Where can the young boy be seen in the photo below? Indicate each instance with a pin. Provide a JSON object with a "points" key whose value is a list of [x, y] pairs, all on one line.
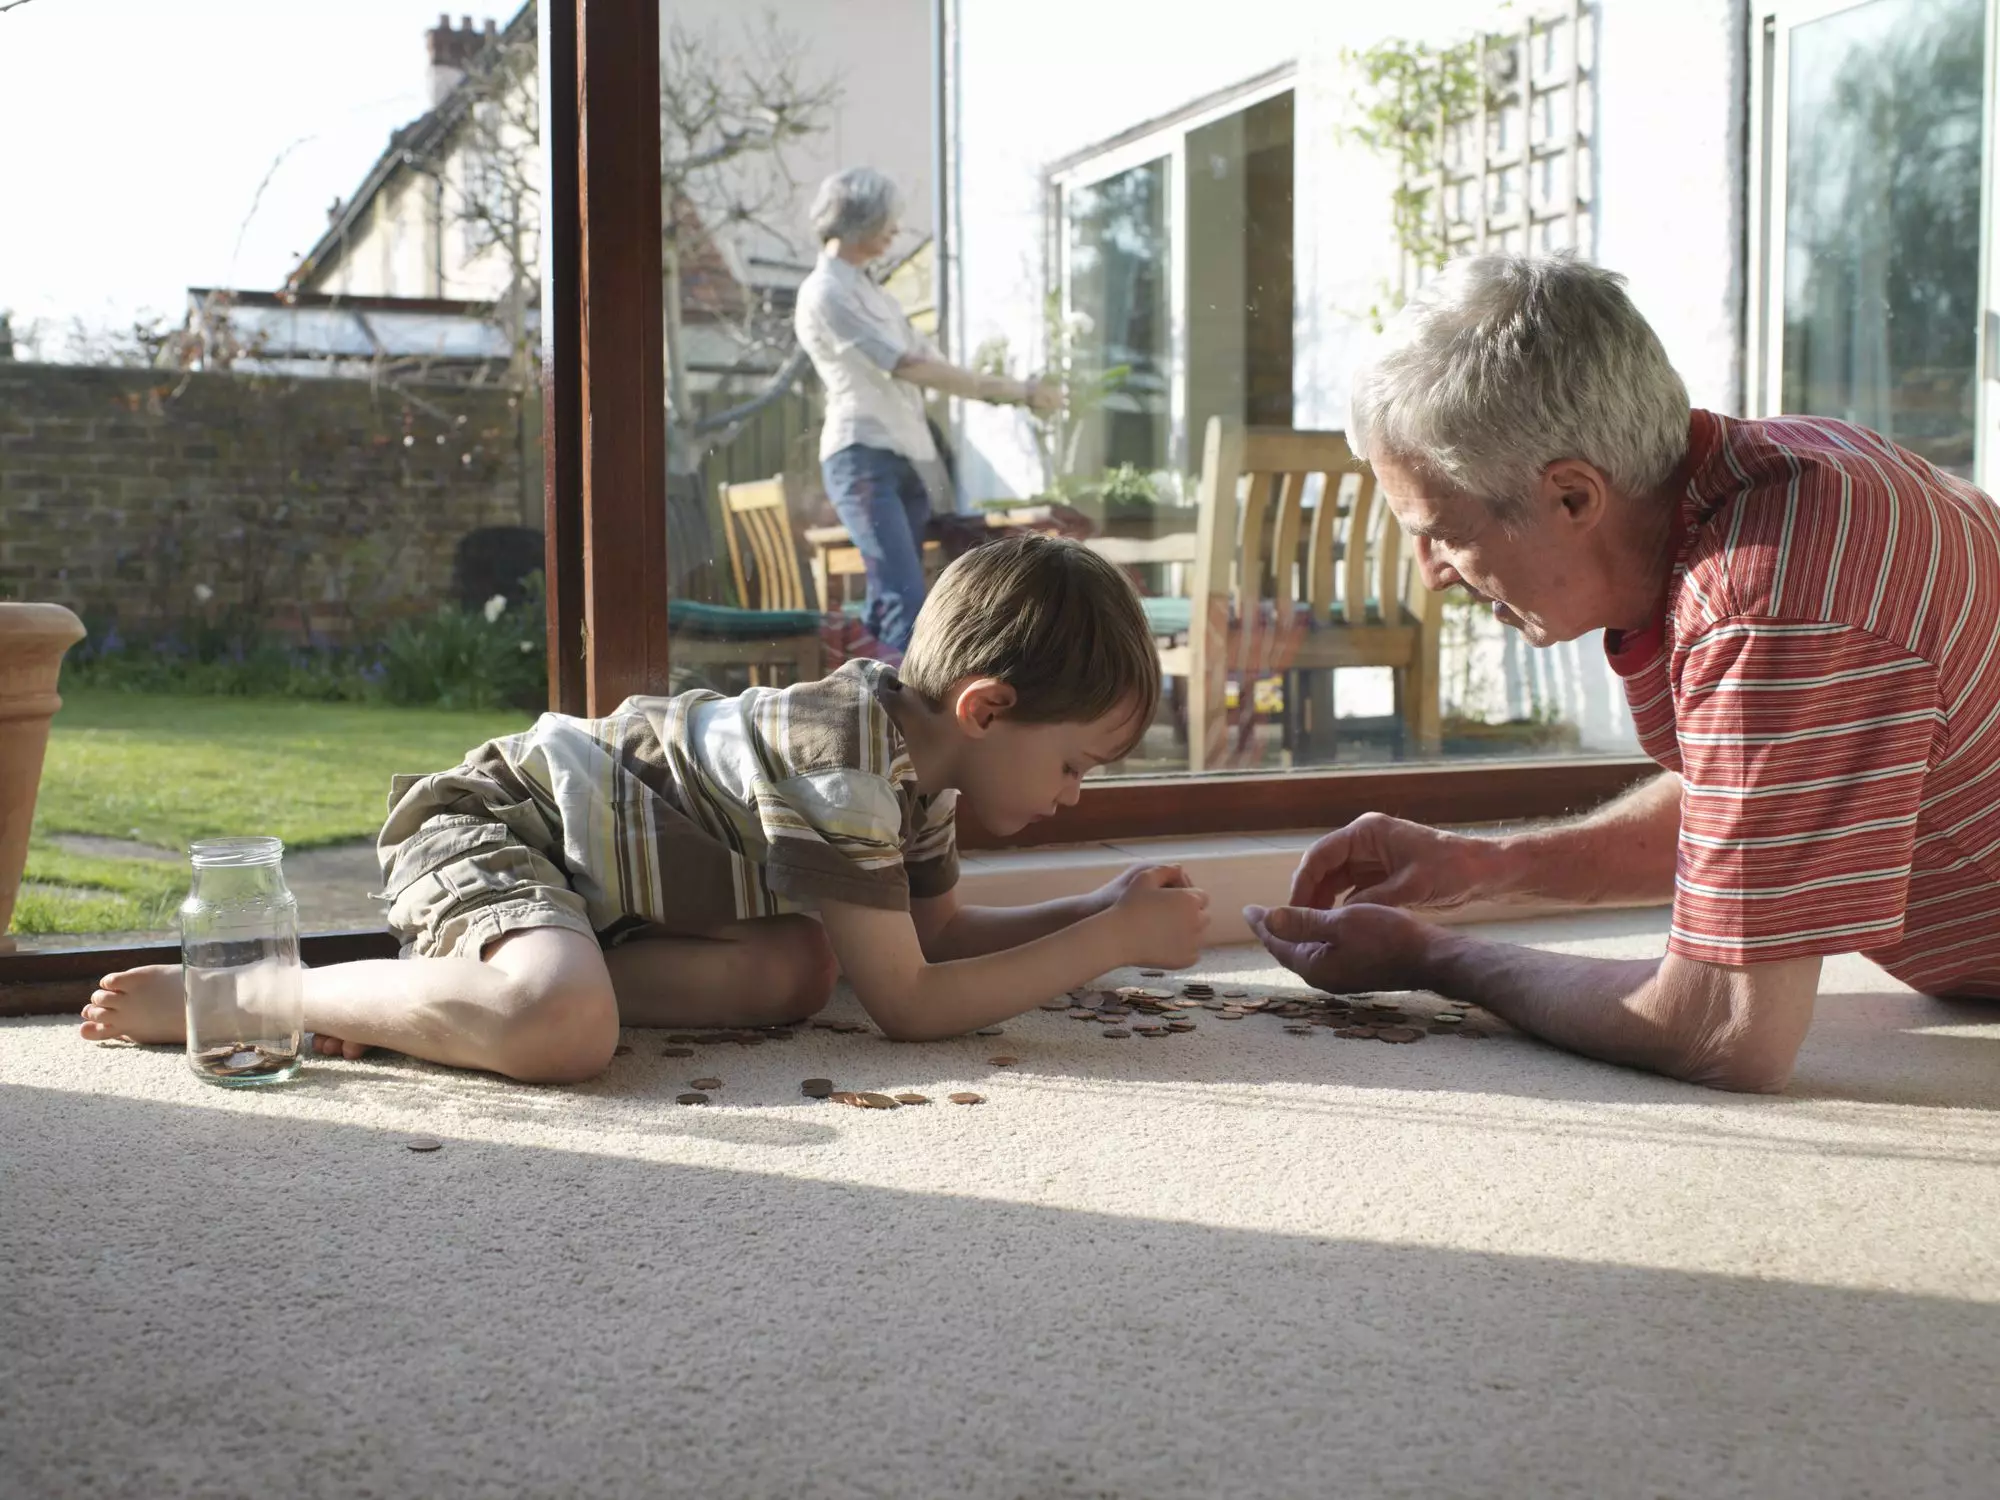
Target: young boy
{"points": [[654, 868]]}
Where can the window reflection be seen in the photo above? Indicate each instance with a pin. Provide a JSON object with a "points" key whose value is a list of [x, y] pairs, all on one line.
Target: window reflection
{"points": [[1882, 222]]}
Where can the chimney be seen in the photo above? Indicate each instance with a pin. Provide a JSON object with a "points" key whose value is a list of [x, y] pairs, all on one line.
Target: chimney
{"points": [[453, 51]]}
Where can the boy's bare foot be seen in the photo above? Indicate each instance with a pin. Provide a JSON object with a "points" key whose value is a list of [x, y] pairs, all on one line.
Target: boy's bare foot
{"points": [[143, 1005], [149, 1005], [333, 1046]]}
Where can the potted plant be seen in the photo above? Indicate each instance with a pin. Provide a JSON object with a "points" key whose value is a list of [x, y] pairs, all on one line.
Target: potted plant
{"points": [[33, 638]]}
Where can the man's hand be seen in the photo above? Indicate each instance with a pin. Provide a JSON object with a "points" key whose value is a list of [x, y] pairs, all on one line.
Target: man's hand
{"points": [[1161, 918], [1341, 952], [1383, 861]]}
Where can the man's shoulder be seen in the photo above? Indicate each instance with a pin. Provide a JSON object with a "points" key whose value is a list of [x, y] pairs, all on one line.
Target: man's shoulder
{"points": [[1810, 519]]}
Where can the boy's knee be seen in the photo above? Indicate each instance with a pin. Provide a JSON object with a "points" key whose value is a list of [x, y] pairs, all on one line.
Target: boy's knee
{"points": [[801, 969], [560, 1032]]}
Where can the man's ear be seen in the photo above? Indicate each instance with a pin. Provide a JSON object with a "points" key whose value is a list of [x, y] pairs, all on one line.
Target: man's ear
{"points": [[1583, 493], [980, 703]]}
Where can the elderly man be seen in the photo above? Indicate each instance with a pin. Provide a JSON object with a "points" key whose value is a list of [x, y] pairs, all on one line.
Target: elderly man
{"points": [[1807, 621]]}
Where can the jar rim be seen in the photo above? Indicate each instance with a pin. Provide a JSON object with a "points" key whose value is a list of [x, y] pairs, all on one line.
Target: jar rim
{"points": [[237, 851]]}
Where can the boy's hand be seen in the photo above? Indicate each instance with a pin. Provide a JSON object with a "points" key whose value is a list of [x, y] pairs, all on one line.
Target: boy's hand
{"points": [[1113, 891], [1163, 917]]}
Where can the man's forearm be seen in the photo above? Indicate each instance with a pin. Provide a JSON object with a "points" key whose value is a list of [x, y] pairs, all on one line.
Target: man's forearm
{"points": [[1579, 1003], [1623, 852], [1729, 1028], [974, 930]]}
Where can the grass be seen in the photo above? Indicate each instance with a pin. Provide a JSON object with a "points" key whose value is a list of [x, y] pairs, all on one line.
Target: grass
{"points": [[166, 770]]}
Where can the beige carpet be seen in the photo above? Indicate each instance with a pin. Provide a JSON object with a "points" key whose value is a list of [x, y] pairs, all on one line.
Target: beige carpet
{"points": [[1231, 1263]]}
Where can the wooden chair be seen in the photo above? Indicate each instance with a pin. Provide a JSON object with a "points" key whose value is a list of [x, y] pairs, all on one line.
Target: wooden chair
{"points": [[777, 627], [835, 558], [1280, 586]]}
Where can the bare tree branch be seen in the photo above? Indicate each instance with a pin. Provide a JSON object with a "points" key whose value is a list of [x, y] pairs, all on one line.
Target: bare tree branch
{"points": [[732, 420]]}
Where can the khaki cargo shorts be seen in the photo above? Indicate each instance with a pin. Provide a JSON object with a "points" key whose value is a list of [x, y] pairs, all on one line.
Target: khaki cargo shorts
{"points": [[463, 865]]}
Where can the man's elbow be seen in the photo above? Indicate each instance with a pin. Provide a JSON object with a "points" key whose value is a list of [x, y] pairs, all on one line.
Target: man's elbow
{"points": [[1740, 1064]]}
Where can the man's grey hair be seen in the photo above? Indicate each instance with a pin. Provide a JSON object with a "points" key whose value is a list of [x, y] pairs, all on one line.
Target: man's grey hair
{"points": [[854, 204], [1505, 364]]}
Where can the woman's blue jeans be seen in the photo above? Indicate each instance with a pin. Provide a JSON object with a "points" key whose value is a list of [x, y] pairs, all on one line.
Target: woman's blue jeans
{"points": [[881, 500]]}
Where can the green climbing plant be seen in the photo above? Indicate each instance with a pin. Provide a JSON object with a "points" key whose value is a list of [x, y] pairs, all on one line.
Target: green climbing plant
{"points": [[1407, 95]]}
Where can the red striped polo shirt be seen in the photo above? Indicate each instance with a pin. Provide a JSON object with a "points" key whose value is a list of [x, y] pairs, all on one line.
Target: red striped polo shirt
{"points": [[1825, 677]]}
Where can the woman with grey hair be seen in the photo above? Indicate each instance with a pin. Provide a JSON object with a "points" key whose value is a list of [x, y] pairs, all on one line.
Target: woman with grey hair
{"points": [[876, 452]]}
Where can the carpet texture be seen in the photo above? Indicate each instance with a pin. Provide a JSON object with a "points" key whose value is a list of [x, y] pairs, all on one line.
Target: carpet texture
{"points": [[1235, 1262]]}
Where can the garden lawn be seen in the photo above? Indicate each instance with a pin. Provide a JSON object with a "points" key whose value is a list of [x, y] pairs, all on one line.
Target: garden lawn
{"points": [[166, 770]]}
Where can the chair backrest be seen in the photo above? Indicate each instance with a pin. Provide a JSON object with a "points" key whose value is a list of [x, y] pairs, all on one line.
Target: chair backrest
{"points": [[1254, 518], [758, 521]]}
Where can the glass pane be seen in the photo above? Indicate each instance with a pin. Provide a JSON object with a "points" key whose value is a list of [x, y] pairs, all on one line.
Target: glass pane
{"points": [[1114, 349], [270, 425], [1199, 241], [1882, 221]]}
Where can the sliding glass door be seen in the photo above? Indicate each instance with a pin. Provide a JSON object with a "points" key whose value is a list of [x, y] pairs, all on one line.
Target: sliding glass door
{"points": [[1868, 277]]}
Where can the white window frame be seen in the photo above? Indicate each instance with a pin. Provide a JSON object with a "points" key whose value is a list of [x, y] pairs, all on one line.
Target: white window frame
{"points": [[1771, 25], [1165, 139]]}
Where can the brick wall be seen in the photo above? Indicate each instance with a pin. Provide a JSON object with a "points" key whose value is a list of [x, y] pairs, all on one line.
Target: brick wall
{"points": [[324, 506]]}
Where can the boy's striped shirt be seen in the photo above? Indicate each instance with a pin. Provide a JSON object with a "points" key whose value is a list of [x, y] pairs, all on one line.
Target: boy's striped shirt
{"points": [[1825, 677]]}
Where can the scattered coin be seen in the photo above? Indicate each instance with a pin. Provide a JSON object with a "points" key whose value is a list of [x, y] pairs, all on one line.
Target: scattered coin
{"points": [[968, 1098], [1180, 1026], [677, 1052], [1081, 1014], [1150, 1030], [1055, 1004], [1230, 1015], [424, 1143], [913, 1099], [1152, 973], [1234, 994], [816, 1088], [1399, 1034], [874, 1101], [687, 1038], [690, 1098], [1116, 1033], [1003, 1061], [822, 1024], [989, 1031], [704, 1083], [1355, 1032], [1299, 1030], [847, 1028]]}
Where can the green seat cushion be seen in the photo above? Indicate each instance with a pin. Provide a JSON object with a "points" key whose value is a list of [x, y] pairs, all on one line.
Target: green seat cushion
{"points": [[726, 623], [1169, 616]]}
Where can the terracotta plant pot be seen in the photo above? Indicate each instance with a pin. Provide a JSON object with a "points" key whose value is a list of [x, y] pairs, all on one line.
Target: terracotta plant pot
{"points": [[33, 638]]}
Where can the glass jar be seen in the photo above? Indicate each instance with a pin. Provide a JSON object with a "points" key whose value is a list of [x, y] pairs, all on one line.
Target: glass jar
{"points": [[240, 960]]}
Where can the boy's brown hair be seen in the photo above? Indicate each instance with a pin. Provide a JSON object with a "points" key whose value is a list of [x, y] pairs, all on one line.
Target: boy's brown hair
{"points": [[1050, 618]]}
